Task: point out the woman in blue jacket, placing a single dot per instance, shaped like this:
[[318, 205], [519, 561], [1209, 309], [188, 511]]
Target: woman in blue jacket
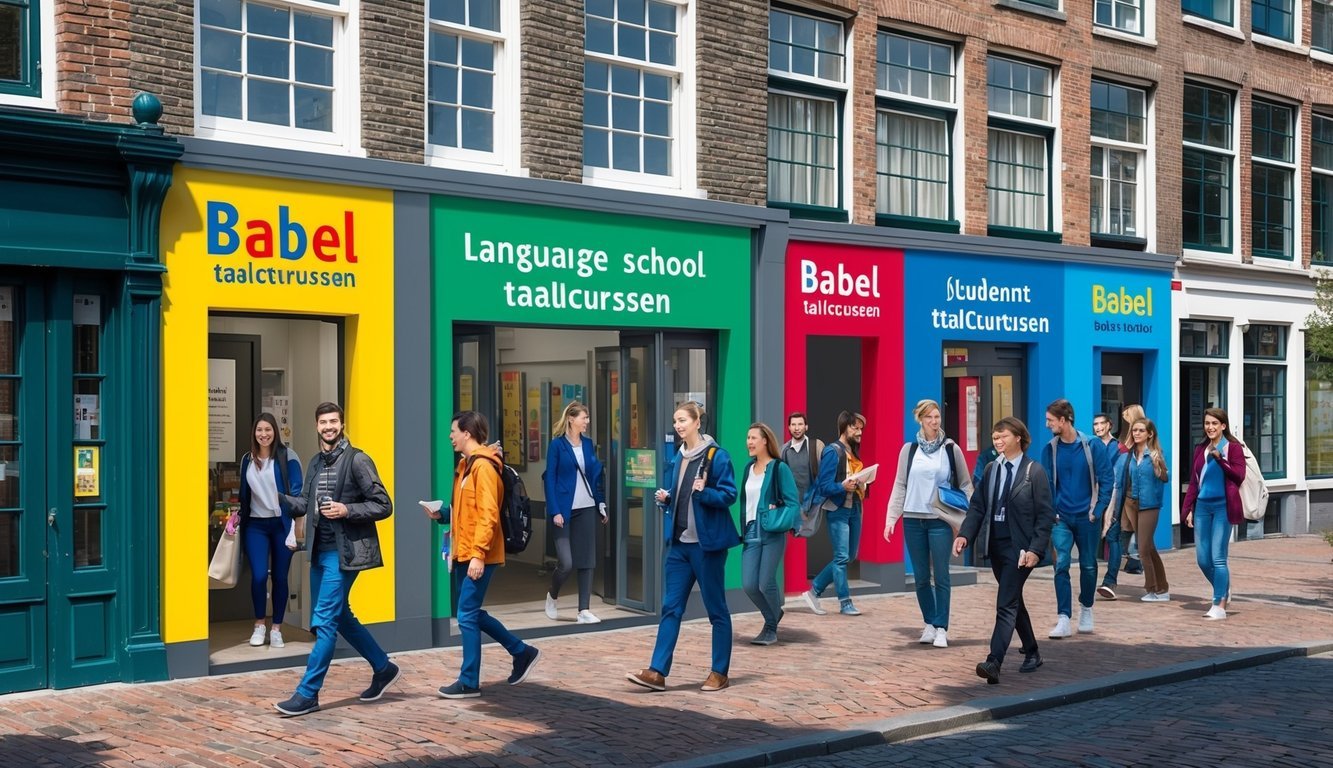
[[1142, 484], [268, 471], [574, 497], [699, 529], [768, 487]]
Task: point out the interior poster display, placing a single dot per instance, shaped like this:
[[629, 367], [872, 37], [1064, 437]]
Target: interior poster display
[[221, 410], [465, 390], [87, 465], [535, 423], [544, 417], [511, 419], [282, 411], [641, 468], [86, 417]]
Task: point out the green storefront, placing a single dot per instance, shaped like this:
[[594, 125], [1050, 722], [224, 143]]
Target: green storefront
[[80, 323], [534, 306]]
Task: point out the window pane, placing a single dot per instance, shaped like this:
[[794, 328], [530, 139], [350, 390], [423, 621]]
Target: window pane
[[443, 125], [267, 58], [454, 11], [802, 150], [9, 414], [268, 103], [1018, 89], [484, 14], [915, 67], [220, 95], [9, 544], [1272, 131], [1016, 180], [220, 50], [267, 20], [1272, 18], [1207, 116], [804, 45], [1321, 212], [10, 477], [1118, 112], [1271, 212], [314, 109], [316, 30], [314, 65], [87, 538], [913, 166], [1318, 419], [477, 130], [220, 13], [1206, 200], [1321, 25]]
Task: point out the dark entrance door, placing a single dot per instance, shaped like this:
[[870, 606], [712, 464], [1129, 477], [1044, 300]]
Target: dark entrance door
[[242, 353]]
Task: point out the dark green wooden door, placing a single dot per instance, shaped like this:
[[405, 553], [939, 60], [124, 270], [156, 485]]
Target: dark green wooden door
[[60, 546]]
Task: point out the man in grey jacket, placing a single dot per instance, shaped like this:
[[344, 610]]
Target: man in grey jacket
[[343, 487]]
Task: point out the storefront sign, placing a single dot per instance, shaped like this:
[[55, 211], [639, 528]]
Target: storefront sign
[[1122, 305]]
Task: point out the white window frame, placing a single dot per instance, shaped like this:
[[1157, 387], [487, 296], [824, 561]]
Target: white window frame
[[345, 138], [47, 18], [1325, 172], [1293, 167], [1052, 124], [684, 176], [1145, 197], [1147, 23], [1294, 44], [506, 131], [1232, 28], [1233, 154]]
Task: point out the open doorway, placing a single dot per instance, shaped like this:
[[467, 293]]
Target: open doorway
[[257, 364]]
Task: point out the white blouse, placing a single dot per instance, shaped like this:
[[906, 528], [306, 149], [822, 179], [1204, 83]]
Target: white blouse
[[753, 484]]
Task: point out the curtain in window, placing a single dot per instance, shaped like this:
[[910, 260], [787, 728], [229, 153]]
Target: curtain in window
[[1016, 180], [802, 151], [913, 163]]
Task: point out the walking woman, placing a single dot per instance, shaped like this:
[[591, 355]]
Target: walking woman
[[1212, 504], [699, 529], [1142, 482], [574, 498], [269, 470], [769, 487], [842, 497], [478, 548], [929, 527]]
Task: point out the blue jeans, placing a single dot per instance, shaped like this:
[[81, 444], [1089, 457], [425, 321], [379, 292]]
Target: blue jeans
[[760, 559], [844, 530], [1115, 553], [265, 542], [332, 615], [1212, 535], [1086, 534], [686, 564], [930, 545], [472, 621]]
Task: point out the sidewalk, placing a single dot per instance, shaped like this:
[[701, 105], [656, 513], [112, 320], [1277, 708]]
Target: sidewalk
[[830, 674]]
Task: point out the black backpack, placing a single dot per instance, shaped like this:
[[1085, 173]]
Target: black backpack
[[515, 507]]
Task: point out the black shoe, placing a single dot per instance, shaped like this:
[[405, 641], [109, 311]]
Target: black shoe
[[298, 705], [1031, 663], [766, 636], [459, 691], [989, 670], [381, 680], [523, 664], [1135, 567]]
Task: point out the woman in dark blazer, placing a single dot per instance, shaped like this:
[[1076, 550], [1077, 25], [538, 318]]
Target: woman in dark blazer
[[574, 497], [1212, 503], [1010, 518], [268, 471]]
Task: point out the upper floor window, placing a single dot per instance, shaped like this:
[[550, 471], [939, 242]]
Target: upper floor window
[[1122, 15], [271, 69], [1273, 18], [1219, 11], [1272, 205], [1206, 168], [914, 125], [631, 86], [1321, 25], [1321, 204], [1119, 156], [465, 56], [20, 48], [1020, 136], [1265, 378], [807, 89]]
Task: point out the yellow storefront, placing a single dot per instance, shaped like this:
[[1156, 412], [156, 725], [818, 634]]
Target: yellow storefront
[[278, 295]]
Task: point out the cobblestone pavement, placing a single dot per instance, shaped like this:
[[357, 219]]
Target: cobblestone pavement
[[829, 674], [1273, 715]]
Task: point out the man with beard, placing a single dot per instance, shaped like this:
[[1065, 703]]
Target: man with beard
[[344, 490], [842, 496], [801, 453]]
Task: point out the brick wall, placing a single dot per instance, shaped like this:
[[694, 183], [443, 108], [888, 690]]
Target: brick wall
[[393, 79], [732, 87], [162, 58], [92, 54], [552, 89]]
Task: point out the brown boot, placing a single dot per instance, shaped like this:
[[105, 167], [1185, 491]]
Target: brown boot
[[715, 682], [650, 678]]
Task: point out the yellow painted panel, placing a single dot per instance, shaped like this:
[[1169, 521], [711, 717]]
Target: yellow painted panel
[[255, 244]]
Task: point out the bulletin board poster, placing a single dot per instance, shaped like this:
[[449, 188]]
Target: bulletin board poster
[[641, 468], [535, 423], [87, 469], [511, 419]]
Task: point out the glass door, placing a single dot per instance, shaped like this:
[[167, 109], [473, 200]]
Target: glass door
[[636, 473]]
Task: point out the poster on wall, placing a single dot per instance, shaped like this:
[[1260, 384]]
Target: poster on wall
[[465, 390], [86, 417], [281, 408], [87, 481], [535, 423], [545, 417], [557, 402], [511, 418], [641, 468], [221, 410]]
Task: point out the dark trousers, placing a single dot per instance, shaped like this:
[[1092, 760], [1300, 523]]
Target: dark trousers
[[1010, 612]]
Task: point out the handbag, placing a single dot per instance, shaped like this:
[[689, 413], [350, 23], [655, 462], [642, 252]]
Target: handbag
[[779, 517], [225, 567], [951, 503]]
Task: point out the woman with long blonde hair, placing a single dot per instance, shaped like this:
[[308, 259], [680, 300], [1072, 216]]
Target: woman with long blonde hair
[[1142, 482], [574, 500]]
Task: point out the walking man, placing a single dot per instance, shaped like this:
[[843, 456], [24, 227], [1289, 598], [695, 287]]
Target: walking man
[[346, 498], [1080, 474], [842, 495], [1111, 531], [801, 454]]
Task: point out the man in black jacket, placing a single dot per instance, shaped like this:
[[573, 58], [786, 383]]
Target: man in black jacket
[[1010, 518], [342, 485]]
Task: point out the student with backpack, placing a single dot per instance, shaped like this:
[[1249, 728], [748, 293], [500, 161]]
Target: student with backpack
[[574, 503], [478, 548], [801, 454], [700, 487], [770, 503], [926, 464], [841, 496], [1213, 503]]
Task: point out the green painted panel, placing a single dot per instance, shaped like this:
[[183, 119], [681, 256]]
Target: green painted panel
[[89, 625], [54, 216], [16, 633]]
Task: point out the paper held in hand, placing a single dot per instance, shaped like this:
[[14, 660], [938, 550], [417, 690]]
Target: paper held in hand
[[431, 506], [866, 475]]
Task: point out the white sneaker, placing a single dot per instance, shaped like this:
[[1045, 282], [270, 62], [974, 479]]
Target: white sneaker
[[927, 635], [1216, 613], [257, 637], [1061, 628], [941, 638], [550, 607], [1149, 597], [812, 600], [275, 638], [1162, 597], [588, 617], [1227, 602], [1085, 619]]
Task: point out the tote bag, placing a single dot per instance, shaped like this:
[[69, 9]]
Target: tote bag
[[225, 567]]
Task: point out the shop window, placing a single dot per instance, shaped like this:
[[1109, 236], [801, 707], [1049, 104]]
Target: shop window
[[915, 84], [1273, 18], [21, 29], [1318, 418], [1321, 25], [1120, 15], [1206, 169], [807, 89], [273, 70], [1321, 190], [1273, 176], [1220, 11], [1204, 338], [631, 89], [1265, 428], [467, 48], [1119, 152], [1022, 130]]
